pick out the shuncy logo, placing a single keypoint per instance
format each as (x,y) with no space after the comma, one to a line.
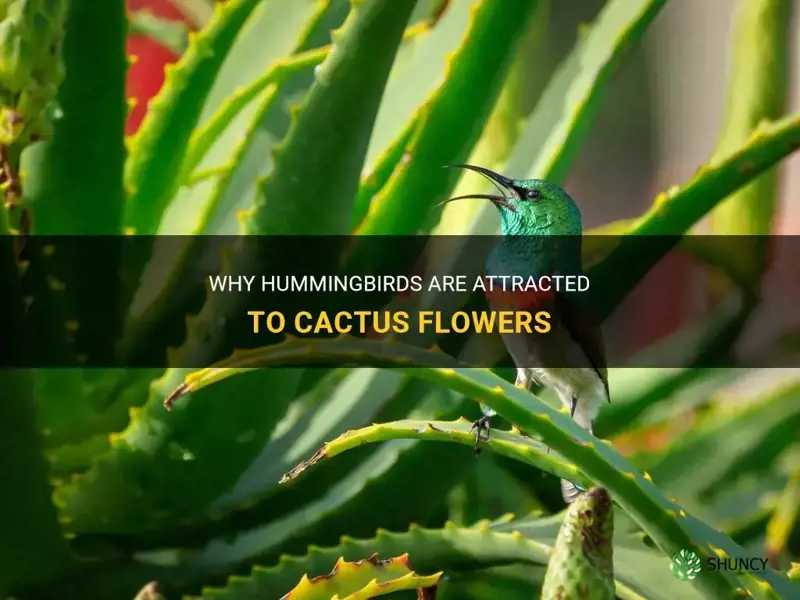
(685,565)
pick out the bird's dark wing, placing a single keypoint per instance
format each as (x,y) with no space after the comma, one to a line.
(576,311)
(579,318)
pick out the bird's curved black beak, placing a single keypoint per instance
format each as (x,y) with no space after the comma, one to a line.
(496,177)
(502,182)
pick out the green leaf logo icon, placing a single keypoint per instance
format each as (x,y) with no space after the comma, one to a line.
(685,565)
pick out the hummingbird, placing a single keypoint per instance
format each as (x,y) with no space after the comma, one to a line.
(541,235)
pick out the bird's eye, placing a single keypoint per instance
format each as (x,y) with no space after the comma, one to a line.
(532,194)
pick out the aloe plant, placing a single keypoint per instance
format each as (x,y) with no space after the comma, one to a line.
(270,478)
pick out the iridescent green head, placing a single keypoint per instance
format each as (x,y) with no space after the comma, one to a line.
(530,206)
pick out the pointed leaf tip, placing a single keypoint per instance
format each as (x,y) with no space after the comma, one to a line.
(179,391)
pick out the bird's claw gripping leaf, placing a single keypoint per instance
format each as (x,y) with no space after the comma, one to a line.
(581,564)
(484,424)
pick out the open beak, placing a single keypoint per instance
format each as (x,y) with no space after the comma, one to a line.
(501,182)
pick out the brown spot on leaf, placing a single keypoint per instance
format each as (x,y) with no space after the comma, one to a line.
(746,168)
(586,518)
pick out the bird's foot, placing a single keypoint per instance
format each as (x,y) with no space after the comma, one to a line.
(481,425)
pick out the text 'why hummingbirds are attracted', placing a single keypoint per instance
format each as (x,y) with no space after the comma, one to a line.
(397,283)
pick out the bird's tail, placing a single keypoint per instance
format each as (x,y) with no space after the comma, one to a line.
(570,491)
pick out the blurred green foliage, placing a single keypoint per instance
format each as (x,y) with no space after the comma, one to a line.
(334,117)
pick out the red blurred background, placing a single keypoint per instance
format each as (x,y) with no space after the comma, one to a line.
(146,76)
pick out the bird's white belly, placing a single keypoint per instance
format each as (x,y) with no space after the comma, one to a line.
(578,380)
(581,383)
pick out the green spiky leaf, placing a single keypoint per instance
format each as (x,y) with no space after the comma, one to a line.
(160,143)
(353,580)
(309,164)
(663,520)
(452,122)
